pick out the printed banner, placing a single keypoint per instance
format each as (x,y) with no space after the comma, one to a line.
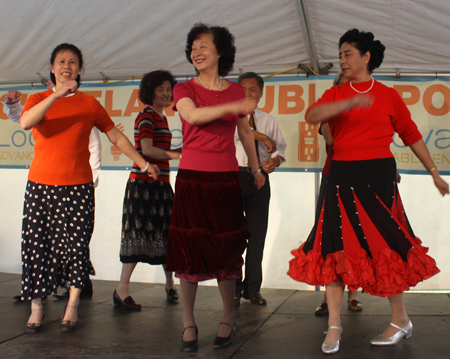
(285,98)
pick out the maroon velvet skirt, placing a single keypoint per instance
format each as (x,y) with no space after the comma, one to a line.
(208,231)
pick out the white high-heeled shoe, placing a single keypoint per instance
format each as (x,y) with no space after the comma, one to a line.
(405,332)
(333,347)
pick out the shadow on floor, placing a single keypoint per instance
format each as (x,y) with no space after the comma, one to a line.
(285,328)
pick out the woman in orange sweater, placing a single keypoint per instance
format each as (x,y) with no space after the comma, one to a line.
(59,200)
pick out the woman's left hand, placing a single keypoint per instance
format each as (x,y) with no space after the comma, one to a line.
(152,171)
(260,180)
(441,185)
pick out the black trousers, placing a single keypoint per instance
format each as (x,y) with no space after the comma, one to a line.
(256,204)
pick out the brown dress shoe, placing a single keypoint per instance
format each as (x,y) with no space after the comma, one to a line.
(256,298)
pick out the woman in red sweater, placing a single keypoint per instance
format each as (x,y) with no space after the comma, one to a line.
(59,199)
(363,238)
(208,233)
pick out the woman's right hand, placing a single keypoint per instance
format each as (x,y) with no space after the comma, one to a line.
(363,101)
(243,107)
(68,87)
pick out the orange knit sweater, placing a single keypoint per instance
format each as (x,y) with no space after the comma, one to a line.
(61,150)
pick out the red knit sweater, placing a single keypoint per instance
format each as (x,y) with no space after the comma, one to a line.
(209,147)
(367,134)
(61,150)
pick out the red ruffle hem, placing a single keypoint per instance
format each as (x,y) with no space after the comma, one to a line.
(382,273)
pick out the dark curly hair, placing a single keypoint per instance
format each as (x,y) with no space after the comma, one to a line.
(65,47)
(151,81)
(223,40)
(364,41)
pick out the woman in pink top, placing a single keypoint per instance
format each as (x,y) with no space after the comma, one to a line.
(207,233)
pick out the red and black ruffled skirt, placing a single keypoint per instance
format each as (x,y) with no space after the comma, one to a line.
(362,235)
(208,231)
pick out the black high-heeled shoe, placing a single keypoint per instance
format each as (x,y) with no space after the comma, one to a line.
(34,328)
(221,342)
(66,326)
(127,303)
(191,345)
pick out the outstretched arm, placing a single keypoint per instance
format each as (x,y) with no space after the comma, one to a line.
(122,142)
(202,115)
(158,153)
(326,111)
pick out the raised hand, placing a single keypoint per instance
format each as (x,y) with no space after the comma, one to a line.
(12,97)
(68,87)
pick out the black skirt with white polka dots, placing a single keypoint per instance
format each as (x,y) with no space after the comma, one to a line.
(57,227)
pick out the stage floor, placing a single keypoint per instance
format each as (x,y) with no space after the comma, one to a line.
(285,328)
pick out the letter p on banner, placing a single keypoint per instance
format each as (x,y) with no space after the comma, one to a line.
(308,144)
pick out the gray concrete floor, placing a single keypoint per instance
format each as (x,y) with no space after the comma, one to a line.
(285,328)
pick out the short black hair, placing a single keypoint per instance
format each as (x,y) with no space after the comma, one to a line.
(252,75)
(151,81)
(65,47)
(364,41)
(223,40)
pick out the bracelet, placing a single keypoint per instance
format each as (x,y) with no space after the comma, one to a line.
(432,169)
(257,171)
(146,168)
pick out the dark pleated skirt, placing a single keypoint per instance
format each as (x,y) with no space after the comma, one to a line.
(147,207)
(362,235)
(208,232)
(58,222)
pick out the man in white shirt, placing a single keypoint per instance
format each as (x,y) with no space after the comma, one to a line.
(13,111)
(270,150)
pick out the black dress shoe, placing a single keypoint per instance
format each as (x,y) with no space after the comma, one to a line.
(221,342)
(191,345)
(172,295)
(237,299)
(321,310)
(254,298)
(127,303)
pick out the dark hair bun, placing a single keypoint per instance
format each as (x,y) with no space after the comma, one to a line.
(364,41)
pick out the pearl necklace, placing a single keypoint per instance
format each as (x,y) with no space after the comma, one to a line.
(220,83)
(370,88)
(159,113)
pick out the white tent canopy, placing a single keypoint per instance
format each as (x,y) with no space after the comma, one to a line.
(126,38)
